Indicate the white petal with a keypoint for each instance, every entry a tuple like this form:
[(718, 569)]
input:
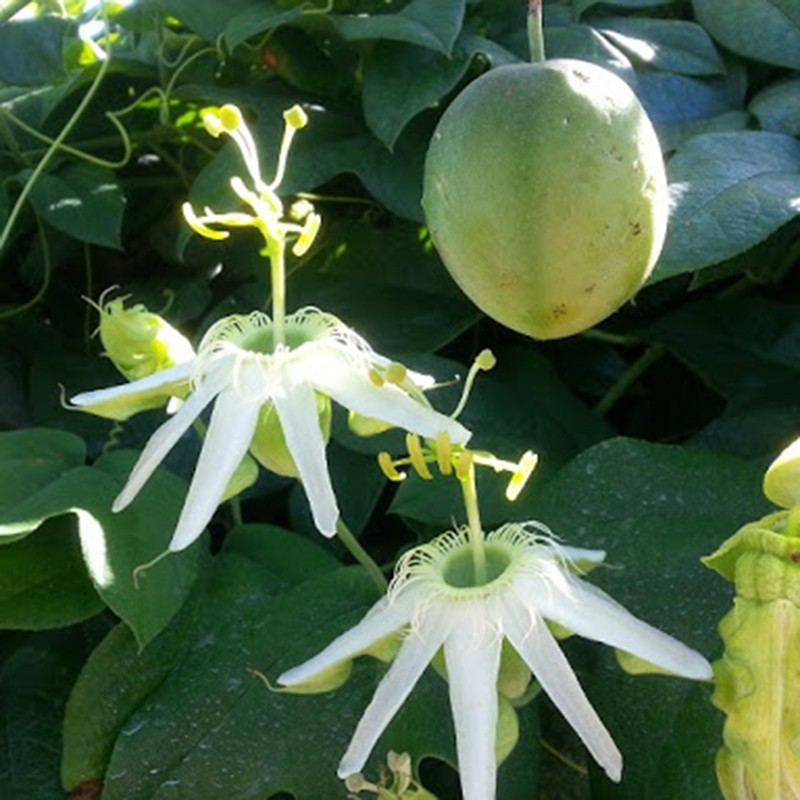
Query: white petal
[(297, 410), (165, 438), (591, 613), (162, 378), (330, 372), (385, 617), (230, 431), (417, 650), (472, 653), (531, 638)]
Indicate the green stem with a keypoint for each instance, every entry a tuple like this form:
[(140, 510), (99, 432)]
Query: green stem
[(629, 377), (610, 338), (51, 151), (474, 525), (278, 276), (361, 555), (11, 9), (535, 37)]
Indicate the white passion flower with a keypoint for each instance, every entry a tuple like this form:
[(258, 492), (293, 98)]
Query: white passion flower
[(273, 400), (530, 579)]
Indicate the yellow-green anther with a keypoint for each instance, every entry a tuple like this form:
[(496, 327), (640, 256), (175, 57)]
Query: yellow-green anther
[(757, 678), (464, 462), (212, 122), (307, 235), (375, 378), (295, 117), (417, 457), (300, 209), (486, 360), (389, 470), (444, 453), (396, 372), (526, 466), (230, 117), (198, 227)]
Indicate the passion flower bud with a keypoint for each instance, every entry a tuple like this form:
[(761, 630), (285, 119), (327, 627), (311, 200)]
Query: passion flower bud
[(138, 342), (757, 680)]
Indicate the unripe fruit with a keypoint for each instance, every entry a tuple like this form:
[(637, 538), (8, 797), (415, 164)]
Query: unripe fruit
[(545, 195)]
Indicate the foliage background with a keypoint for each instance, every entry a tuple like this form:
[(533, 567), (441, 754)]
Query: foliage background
[(653, 430)]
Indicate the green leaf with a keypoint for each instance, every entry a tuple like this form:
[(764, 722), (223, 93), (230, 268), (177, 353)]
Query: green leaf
[(656, 510), (670, 98), (390, 101), (114, 544), (673, 45), (777, 107), (32, 458), (84, 201), (764, 30), (34, 683), (432, 25), (32, 51), (729, 192), (744, 348), (290, 557), (209, 18), (258, 19), (43, 581)]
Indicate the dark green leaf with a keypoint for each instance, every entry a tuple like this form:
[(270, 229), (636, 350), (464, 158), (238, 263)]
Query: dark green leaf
[(432, 25), (580, 6), (390, 101), (258, 19), (729, 192), (673, 45), (670, 98), (34, 683), (765, 30), (777, 107), (43, 581), (209, 18), (84, 201), (745, 348), (32, 51)]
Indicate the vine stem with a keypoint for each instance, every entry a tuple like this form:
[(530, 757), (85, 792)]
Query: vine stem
[(361, 555), (535, 37), (628, 378), (52, 150), (476, 538), (278, 280), (11, 9)]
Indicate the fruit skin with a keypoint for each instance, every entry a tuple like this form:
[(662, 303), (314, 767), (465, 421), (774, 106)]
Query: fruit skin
[(545, 195)]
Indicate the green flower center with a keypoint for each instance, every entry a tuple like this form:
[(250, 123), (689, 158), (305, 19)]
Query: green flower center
[(459, 569)]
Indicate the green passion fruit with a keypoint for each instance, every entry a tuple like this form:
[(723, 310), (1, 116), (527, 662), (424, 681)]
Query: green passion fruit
[(545, 195)]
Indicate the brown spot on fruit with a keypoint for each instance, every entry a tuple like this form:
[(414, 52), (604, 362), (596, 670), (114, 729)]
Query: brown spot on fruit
[(89, 790)]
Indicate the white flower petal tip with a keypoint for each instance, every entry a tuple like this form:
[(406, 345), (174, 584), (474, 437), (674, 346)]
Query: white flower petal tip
[(529, 578)]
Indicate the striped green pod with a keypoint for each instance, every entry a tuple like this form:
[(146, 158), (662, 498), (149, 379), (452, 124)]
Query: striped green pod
[(758, 676)]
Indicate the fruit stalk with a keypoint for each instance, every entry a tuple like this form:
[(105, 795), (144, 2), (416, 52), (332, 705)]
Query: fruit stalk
[(535, 37)]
